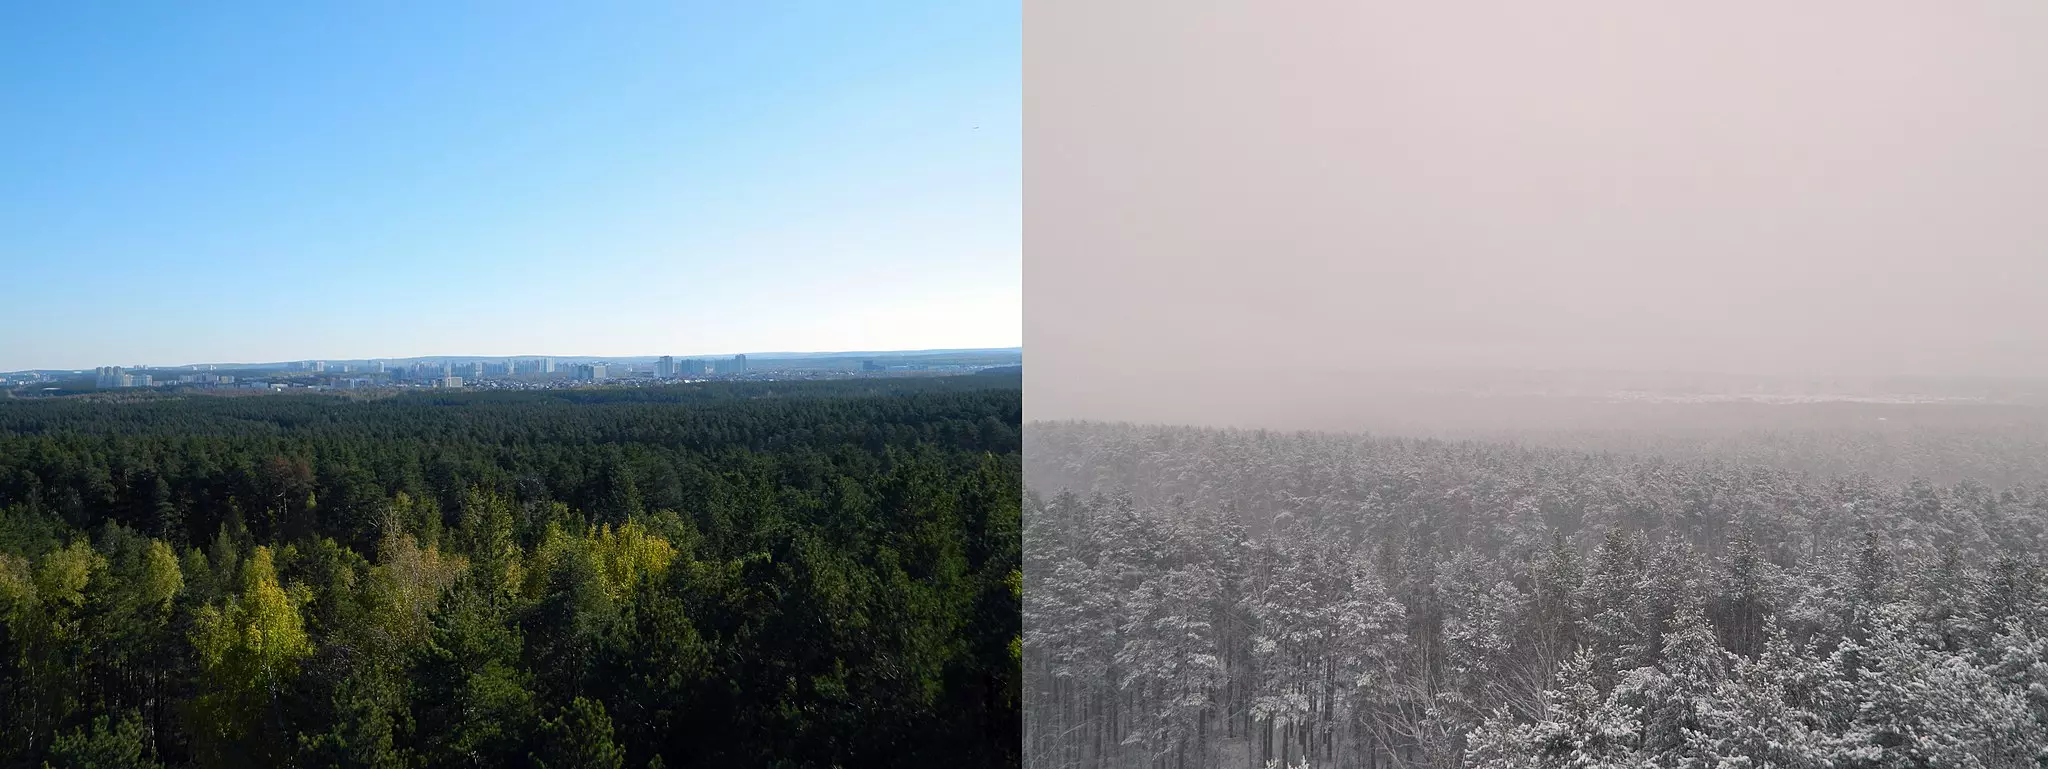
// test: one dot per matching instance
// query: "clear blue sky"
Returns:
(213, 182)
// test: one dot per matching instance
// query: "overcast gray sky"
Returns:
(1818, 187)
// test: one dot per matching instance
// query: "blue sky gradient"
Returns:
(185, 183)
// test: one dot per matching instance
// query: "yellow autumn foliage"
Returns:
(63, 574)
(624, 556)
(256, 636)
(162, 579)
(410, 582)
(17, 586)
(628, 555)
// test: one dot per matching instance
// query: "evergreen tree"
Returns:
(579, 738)
(106, 744)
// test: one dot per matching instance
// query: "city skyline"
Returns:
(464, 359)
(254, 183)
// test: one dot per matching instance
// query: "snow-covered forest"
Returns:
(1217, 598)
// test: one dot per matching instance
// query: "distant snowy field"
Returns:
(1640, 396)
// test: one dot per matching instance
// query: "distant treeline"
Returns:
(742, 575)
(1941, 444)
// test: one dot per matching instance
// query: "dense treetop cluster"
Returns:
(743, 575)
(1200, 597)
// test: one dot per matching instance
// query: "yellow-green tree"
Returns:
(249, 645)
(408, 584)
(44, 605)
(627, 555)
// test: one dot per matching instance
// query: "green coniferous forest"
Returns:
(716, 575)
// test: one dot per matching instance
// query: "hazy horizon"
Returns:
(1831, 189)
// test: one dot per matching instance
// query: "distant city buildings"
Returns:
(109, 377)
(538, 373)
(668, 367)
(501, 374)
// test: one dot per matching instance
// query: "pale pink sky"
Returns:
(1815, 187)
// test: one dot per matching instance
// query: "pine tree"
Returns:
(106, 744)
(1680, 698)
(1768, 717)
(1169, 658)
(1743, 595)
(1618, 611)
(579, 738)
(1901, 704)
(1576, 727)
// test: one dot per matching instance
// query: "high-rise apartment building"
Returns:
(666, 367)
(738, 365)
(115, 376)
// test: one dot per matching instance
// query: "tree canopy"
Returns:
(1200, 597)
(743, 575)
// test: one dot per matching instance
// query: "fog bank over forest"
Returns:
(1265, 207)
(1428, 401)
